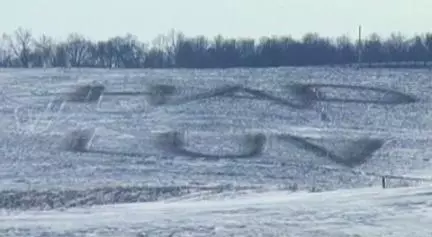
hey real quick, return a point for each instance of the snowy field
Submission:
(239, 152)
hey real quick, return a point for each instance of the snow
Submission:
(359, 212)
(162, 169)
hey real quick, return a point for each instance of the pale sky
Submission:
(101, 19)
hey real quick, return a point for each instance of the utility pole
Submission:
(360, 46)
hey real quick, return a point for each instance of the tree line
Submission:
(175, 50)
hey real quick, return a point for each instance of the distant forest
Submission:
(175, 50)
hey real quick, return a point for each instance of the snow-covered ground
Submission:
(216, 152)
(359, 212)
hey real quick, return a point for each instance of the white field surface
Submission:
(359, 212)
(216, 153)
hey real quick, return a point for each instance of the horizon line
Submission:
(175, 32)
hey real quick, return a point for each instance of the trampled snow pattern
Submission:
(215, 152)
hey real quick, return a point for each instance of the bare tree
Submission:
(168, 44)
(428, 43)
(397, 46)
(44, 49)
(103, 54)
(127, 51)
(5, 54)
(417, 49)
(21, 45)
(78, 50)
